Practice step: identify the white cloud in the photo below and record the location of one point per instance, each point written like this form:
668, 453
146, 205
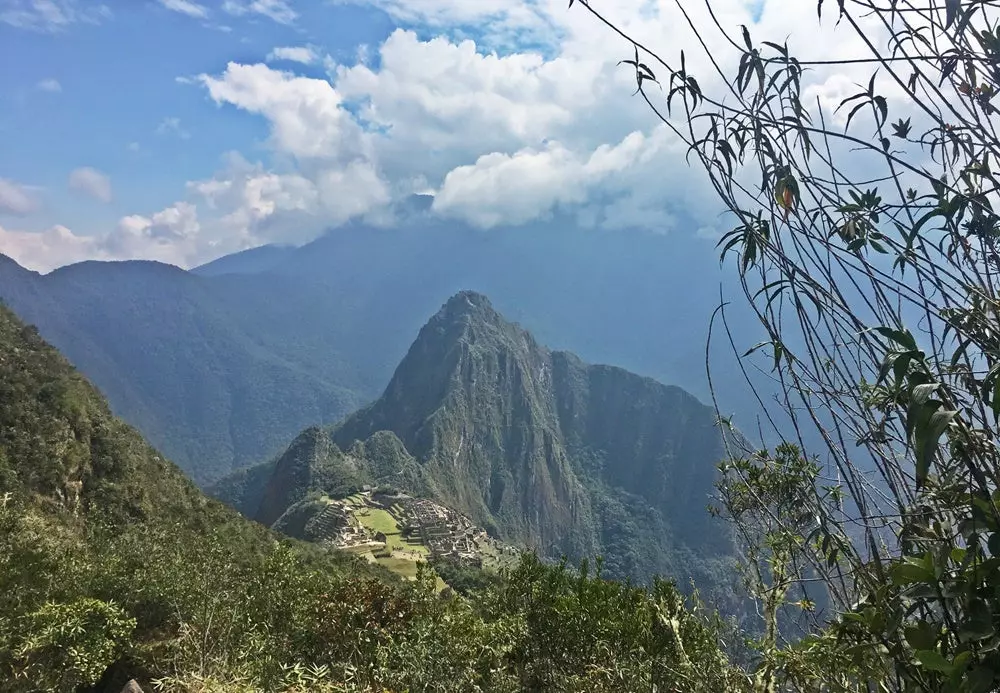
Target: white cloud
297, 54
50, 85
500, 21
608, 186
17, 199
514, 189
501, 134
172, 126
278, 10
91, 182
43, 251
306, 115
503, 139
171, 235
51, 15
188, 7
255, 206
175, 225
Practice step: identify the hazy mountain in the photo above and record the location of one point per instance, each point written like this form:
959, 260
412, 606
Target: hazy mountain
254, 260
221, 366
178, 363
537, 446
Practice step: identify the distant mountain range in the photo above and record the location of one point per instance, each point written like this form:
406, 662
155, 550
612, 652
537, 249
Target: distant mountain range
540, 448
221, 366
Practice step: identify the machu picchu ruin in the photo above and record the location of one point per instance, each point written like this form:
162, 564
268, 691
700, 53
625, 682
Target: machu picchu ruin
399, 531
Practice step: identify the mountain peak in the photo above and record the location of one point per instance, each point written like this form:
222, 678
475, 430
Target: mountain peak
547, 450
466, 303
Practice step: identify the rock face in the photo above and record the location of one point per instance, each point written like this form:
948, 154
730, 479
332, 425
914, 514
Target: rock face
538, 447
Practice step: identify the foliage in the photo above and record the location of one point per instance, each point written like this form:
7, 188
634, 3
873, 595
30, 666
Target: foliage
865, 242
71, 645
464, 579
197, 612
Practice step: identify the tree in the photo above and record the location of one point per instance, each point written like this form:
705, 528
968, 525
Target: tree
865, 241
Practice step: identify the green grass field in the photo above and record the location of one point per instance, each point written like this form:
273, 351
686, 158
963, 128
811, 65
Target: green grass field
378, 520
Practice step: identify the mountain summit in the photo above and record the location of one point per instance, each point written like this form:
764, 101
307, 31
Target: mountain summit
538, 447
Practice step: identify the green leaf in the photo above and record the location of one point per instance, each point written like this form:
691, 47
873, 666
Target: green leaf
994, 544
921, 636
961, 661
922, 393
902, 337
951, 9
906, 573
979, 625
933, 660
927, 432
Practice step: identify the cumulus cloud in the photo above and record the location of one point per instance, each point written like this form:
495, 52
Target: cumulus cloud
46, 250
17, 199
188, 7
255, 206
278, 10
91, 182
170, 235
51, 15
500, 134
296, 54
306, 115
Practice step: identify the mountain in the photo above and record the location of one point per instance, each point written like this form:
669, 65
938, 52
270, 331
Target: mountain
250, 261
61, 448
104, 544
537, 446
221, 366
179, 365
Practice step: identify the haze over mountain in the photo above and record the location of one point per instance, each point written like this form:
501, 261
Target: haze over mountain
220, 367
540, 448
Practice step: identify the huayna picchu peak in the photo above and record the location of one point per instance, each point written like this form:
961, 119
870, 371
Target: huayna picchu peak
537, 447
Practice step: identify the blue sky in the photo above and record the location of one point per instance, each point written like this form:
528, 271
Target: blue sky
106, 96
180, 130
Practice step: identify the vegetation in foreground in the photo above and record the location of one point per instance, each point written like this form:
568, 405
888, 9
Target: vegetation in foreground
865, 242
186, 611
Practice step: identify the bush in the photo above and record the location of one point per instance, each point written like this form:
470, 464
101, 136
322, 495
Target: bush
67, 645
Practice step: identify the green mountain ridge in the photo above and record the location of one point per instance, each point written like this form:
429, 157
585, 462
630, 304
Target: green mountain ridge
536, 446
192, 377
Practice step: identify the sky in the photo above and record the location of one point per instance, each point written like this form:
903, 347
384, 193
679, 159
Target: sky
182, 130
